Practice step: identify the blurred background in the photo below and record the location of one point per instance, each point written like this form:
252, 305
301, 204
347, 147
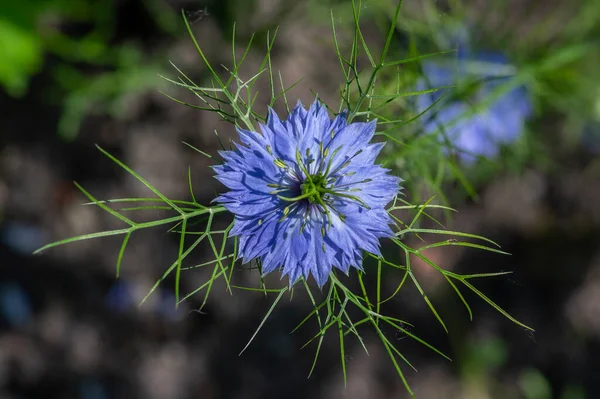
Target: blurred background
514, 148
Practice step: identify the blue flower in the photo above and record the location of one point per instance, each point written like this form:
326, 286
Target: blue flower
306, 193
483, 111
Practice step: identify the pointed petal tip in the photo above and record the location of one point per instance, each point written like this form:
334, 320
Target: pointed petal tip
271, 114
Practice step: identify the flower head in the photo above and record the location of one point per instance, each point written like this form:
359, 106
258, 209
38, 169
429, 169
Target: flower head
306, 193
480, 114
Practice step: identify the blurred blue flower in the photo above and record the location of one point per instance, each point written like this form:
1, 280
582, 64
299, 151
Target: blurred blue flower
590, 138
15, 304
306, 193
23, 238
90, 388
120, 298
486, 107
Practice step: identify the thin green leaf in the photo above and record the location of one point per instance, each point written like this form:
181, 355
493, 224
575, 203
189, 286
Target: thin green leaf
417, 58
197, 150
493, 304
431, 307
121, 252
81, 238
104, 207
142, 180
283, 290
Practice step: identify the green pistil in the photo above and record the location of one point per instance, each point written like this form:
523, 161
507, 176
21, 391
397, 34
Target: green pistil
313, 189
294, 199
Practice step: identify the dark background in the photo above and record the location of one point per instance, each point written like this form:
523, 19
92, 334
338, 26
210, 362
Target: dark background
85, 73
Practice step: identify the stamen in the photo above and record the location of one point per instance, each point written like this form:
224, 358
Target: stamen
346, 163
326, 210
279, 163
286, 212
322, 155
331, 160
303, 225
339, 214
302, 166
352, 197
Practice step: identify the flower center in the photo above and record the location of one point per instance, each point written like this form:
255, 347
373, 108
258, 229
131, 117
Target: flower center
314, 188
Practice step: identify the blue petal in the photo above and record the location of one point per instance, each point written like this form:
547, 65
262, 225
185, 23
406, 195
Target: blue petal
282, 140
349, 141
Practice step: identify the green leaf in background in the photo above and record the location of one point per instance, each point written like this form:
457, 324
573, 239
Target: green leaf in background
21, 55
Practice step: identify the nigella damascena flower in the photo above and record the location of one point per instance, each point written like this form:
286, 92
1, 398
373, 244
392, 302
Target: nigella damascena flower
483, 111
306, 193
